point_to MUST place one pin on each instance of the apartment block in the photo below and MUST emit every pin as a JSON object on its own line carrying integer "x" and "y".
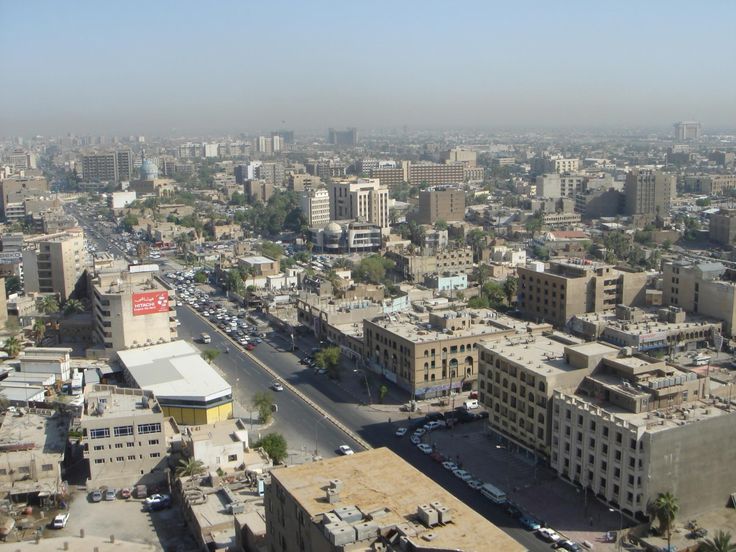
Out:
{"x": 649, "y": 192}
{"x": 415, "y": 267}
{"x": 130, "y": 308}
{"x": 363, "y": 200}
{"x": 54, "y": 263}
{"x": 636, "y": 427}
{"x": 445, "y": 203}
{"x": 432, "y": 174}
{"x": 388, "y": 176}
{"x": 517, "y": 379}
{"x": 687, "y": 130}
{"x": 258, "y": 190}
{"x": 315, "y": 205}
{"x": 460, "y": 155}
{"x": 347, "y": 137}
{"x": 124, "y": 436}
{"x": 14, "y": 190}
{"x": 114, "y": 166}
{"x": 555, "y": 164}
{"x": 722, "y": 228}
{"x": 355, "y": 503}
{"x": 433, "y": 355}
{"x": 711, "y": 184}
{"x": 299, "y": 182}
{"x": 564, "y": 290}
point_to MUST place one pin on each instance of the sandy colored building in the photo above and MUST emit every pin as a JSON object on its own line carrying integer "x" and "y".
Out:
{"x": 315, "y": 205}
{"x": 414, "y": 267}
{"x": 355, "y": 503}
{"x": 432, "y": 174}
{"x": 722, "y": 229}
{"x": 445, "y": 203}
{"x": 54, "y": 263}
{"x": 649, "y": 192}
{"x": 711, "y": 184}
{"x": 362, "y": 200}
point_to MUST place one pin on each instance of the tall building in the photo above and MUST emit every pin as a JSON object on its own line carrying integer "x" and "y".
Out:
{"x": 287, "y": 136}
{"x": 363, "y": 200}
{"x": 364, "y": 502}
{"x": 21, "y": 159}
{"x": 711, "y": 184}
{"x": 315, "y": 205}
{"x": 115, "y": 166}
{"x": 687, "y": 130}
{"x": 722, "y": 227}
{"x": 54, "y": 263}
{"x": 554, "y": 164}
{"x": 649, "y": 192}
{"x": 445, "y": 203}
{"x": 130, "y": 308}
{"x": 258, "y": 190}
{"x": 565, "y": 290}
{"x": 14, "y": 190}
{"x": 273, "y": 173}
{"x": 459, "y": 155}
{"x": 554, "y": 185}
{"x": 388, "y": 176}
{"x": 347, "y": 137}
{"x": 432, "y": 174}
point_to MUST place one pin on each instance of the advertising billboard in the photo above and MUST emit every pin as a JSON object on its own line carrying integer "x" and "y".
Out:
{"x": 150, "y": 302}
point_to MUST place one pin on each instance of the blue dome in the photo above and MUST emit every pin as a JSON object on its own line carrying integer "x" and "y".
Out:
{"x": 149, "y": 170}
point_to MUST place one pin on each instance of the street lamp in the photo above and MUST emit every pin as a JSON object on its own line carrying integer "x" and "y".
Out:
{"x": 620, "y": 526}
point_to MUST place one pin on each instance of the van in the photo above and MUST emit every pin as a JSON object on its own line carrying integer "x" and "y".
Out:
{"x": 471, "y": 404}
{"x": 492, "y": 493}
{"x": 205, "y": 338}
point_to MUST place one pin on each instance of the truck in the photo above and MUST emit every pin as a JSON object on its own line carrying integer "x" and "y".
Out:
{"x": 205, "y": 338}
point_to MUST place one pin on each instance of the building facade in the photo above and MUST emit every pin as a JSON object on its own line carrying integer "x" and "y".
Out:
{"x": 722, "y": 229}
{"x": 54, "y": 263}
{"x": 649, "y": 192}
{"x": 432, "y": 174}
{"x": 444, "y": 203}
{"x": 362, "y": 200}
{"x": 315, "y": 205}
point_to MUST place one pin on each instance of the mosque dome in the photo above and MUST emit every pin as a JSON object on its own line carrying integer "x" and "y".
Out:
{"x": 333, "y": 228}
{"x": 149, "y": 170}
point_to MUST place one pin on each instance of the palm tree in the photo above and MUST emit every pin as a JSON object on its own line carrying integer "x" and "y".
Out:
{"x": 665, "y": 507}
{"x": 12, "y": 346}
{"x": 49, "y": 304}
{"x": 721, "y": 542}
{"x": 73, "y": 306}
{"x": 189, "y": 467}
{"x": 510, "y": 287}
{"x": 39, "y": 330}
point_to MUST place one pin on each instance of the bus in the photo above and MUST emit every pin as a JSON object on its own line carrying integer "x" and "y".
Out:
{"x": 492, "y": 493}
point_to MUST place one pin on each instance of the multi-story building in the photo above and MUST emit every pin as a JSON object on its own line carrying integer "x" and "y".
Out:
{"x": 432, "y": 174}
{"x": 431, "y": 355}
{"x": 555, "y": 185}
{"x": 565, "y": 290}
{"x": 53, "y": 263}
{"x": 722, "y": 228}
{"x": 636, "y": 427}
{"x": 347, "y": 137}
{"x": 599, "y": 202}
{"x": 15, "y": 190}
{"x": 708, "y": 289}
{"x": 459, "y": 155}
{"x": 687, "y": 130}
{"x": 517, "y": 378}
{"x": 362, "y": 200}
{"x": 21, "y": 159}
{"x": 124, "y": 436}
{"x": 273, "y": 173}
{"x": 473, "y": 175}
{"x": 298, "y": 182}
{"x": 388, "y": 176}
{"x": 130, "y": 308}
{"x": 711, "y": 184}
{"x": 258, "y": 190}
{"x": 554, "y": 164}
{"x": 259, "y": 265}
{"x": 649, "y": 192}
{"x": 415, "y": 267}
{"x": 315, "y": 206}
{"x": 355, "y": 503}
{"x": 561, "y": 219}
{"x": 327, "y": 168}
{"x": 114, "y": 166}
{"x": 445, "y": 203}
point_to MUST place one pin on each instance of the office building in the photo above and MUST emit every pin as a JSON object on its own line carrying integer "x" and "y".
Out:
{"x": 710, "y": 184}
{"x": 554, "y": 185}
{"x": 599, "y": 202}
{"x": 115, "y": 166}
{"x": 722, "y": 229}
{"x": 432, "y": 354}
{"x": 388, "y": 176}
{"x": 460, "y": 155}
{"x": 124, "y": 437}
{"x": 273, "y": 173}
{"x": 554, "y": 164}
{"x": 327, "y": 169}
{"x": 130, "y": 307}
{"x": 432, "y": 174}
{"x": 636, "y": 427}
{"x": 315, "y": 206}
{"x": 20, "y": 159}
{"x": 299, "y": 182}
{"x": 14, "y": 190}
{"x": 54, "y": 263}
{"x": 258, "y": 190}
{"x": 517, "y": 378}
{"x": 564, "y": 290}
{"x": 372, "y": 500}
{"x": 187, "y": 388}
{"x": 362, "y": 200}
{"x": 445, "y": 203}
{"x": 649, "y": 192}
{"x": 414, "y": 267}
{"x": 347, "y": 237}
{"x": 687, "y": 130}
{"x": 346, "y": 138}
{"x": 287, "y": 136}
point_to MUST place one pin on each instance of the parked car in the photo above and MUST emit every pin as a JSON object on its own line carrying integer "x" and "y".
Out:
{"x": 462, "y": 474}
{"x": 95, "y": 496}
{"x": 475, "y": 484}
{"x": 548, "y": 535}
{"x": 425, "y": 448}
{"x": 452, "y": 466}
{"x": 400, "y": 432}
{"x": 415, "y": 439}
{"x": 125, "y": 493}
{"x": 157, "y": 502}
{"x": 569, "y": 545}
{"x": 529, "y": 522}
{"x": 110, "y": 494}
{"x": 60, "y": 521}
{"x": 250, "y": 347}
{"x": 345, "y": 450}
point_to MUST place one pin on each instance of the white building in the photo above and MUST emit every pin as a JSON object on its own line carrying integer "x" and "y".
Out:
{"x": 119, "y": 200}
{"x": 361, "y": 200}
{"x": 47, "y": 360}
{"x": 210, "y": 150}
{"x": 315, "y": 205}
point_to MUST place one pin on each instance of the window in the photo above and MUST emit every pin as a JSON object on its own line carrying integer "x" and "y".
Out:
{"x": 130, "y": 444}
{"x": 99, "y": 447}
{"x": 118, "y": 445}
{"x": 149, "y": 428}
{"x": 232, "y": 458}
{"x": 153, "y": 441}
{"x": 99, "y": 460}
{"x": 122, "y": 431}
{"x": 3, "y": 471}
{"x": 155, "y": 455}
{"x": 120, "y": 459}
{"x": 47, "y": 467}
{"x": 100, "y": 433}
{"x": 131, "y": 457}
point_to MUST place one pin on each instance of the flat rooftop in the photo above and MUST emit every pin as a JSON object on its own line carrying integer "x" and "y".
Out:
{"x": 396, "y": 492}
{"x": 225, "y": 432}
{"x": 650, "y": 323}
{"x": 174, "y": 371}
{"x": 119, "y": 402}
{"x": 256, "y": 260}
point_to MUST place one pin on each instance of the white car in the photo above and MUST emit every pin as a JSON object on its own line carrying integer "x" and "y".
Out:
{"x": 462, "y": 474}
{"x": 425, "y": 448}
{"x": 345, "y": 450}
{"x": 400, "y": 432}
{"x": 549, "y": 535}
{"x": 452, "y": 466}
{"x": 60, "y": 521}
{"x": 276, "y": 386}
{"x": 419, "y": 432}
{"x": 475, "y": 484}
{"x": 415, "y": 439}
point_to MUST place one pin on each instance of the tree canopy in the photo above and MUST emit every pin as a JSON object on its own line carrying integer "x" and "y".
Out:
{"x": 275, "y": 446}
{"x": 373, "y": 269}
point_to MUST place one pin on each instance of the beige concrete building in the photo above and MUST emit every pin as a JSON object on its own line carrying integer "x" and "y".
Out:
{"x": 460, "y": 155}
{"x": 637, "y": 427}
{"x": 518, "y": 377}
{"x": 130, "y": 308}
{"x": 53, "y": 263}
{"x": 723, "y": 227}
{"x": 124, "y": 436}
{"x": 224, "y": 445}
{"x": 298, "y": 182}
{"x": 429, "y": 355}
{"x": 363, "y": 200}
{"x": 258, "y": 190}
{"x": 432, "y": 174}
{"x": 14, "y": 190}
{"x": 315, "y": 206}
{"x": 261, "y": 266}
{"x": 415, "y": 267}
{"x": 355, "y": 503}
{"x": 388, "y": 176}
{"x": 565, "y": 290}
{"x": 711, "y": 184}
{"x": 114, "y": 166}
{"x": 445, "y": 203}
{"x": 649, "y": 192}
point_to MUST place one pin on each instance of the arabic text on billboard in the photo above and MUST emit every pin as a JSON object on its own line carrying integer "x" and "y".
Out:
{"x": 150, "y": 302}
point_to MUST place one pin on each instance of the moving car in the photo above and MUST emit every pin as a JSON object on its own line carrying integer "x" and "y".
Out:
{"x": 60, "y": 521}
{"x": 400, "y": 432}
{"x": 250, "y": 347}
{"x": 276, "y": 386}
{"x": 345, "y": 450}
{"x": 548, "y": 535}
{"x": 529, "y": 522}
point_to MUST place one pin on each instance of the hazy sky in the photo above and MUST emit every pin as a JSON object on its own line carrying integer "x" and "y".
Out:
{"x": 161, "y": 67}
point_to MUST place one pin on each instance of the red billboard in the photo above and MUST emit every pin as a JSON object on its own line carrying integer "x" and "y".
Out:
{"x": 150, "y": 302}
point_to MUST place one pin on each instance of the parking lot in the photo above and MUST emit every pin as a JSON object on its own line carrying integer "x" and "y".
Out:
{"x": 126, "y": 520}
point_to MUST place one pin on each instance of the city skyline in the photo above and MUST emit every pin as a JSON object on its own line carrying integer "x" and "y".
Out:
{"x": 171, "y": 68}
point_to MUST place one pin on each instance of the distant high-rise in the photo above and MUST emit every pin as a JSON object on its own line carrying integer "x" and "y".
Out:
{"x": 347, "y": 137}
{"x": 687, "y": 130}
{"x": 116, "y": 166}
{"x": 287, "y": 136}
{"x": 649, "y": 192}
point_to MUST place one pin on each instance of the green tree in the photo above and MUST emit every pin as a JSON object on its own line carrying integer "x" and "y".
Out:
{"x": 494, "y": 292}
{"x": 12, "y": 346}
{"x": 481, "y": 273}
{"x": 234, "y": 281}
{"x": 261, "y": 402}
{"x": 477, "y": 239}
{"x": 721, "y": 542}
{"x": 200, "y": 277}
{"x": 665, "y": 508}
{"x": 129, "y": 221}
{"x": 210, "y": 355}
{"x": 440, "y": 225}
{"x": 48, "y": 304}
{"x": 189, "y": 467}
{"x": 382, "y": 392}
{"x": 534, "y": 224}
{"x": 12, "y": 285}
{"x": 39, "y": 330}
{"x": 372, "y": 269}
{"x": 270, "y": 249}
{"x": 329, "y": 359}
{"x": 510, "y": 287}
{"x": 275, "y": 446}
{"x": 342, "y": 263}
{"x": 479, "y": 302}
{"x": 73, "y": 306}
